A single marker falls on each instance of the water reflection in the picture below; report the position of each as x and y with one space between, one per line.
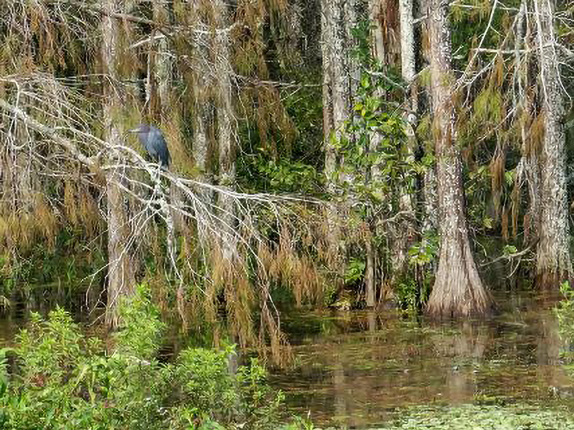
355 368
83 302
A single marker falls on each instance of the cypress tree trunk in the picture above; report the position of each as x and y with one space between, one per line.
458 289
226 133
429 180
372 271
338 17
350 21
529 167
406 230
202 82
553 263
327 31
377 40
408 49
121 280
163 61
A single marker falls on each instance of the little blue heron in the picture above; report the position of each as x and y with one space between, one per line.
154 143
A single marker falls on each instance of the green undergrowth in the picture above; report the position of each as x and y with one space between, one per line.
57 378
474 417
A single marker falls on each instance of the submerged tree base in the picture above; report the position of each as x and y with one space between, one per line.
458 289
470 302
550 280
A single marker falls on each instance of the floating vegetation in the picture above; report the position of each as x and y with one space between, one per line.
470 417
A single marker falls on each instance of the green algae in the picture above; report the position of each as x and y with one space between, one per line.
357 369
474 417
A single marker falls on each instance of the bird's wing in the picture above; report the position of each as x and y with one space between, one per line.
160 147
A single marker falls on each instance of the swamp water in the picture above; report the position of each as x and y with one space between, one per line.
359 369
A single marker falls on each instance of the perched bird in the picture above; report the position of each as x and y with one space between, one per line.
154 143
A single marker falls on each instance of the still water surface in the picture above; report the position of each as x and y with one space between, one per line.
354 369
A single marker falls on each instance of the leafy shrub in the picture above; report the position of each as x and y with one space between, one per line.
140 331
63 380
281 175
355 271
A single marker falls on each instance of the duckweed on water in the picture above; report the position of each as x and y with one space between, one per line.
471 417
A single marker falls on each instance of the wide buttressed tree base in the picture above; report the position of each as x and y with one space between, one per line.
458 289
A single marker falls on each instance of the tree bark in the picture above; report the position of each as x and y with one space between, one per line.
226 133
553 263
370 273
163 61
408 48
377 39
121 280
202 81
529 166
406 229
335 35
378 52
328 125
458 289
340 61
340 72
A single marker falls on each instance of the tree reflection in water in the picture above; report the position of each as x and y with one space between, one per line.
359 366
